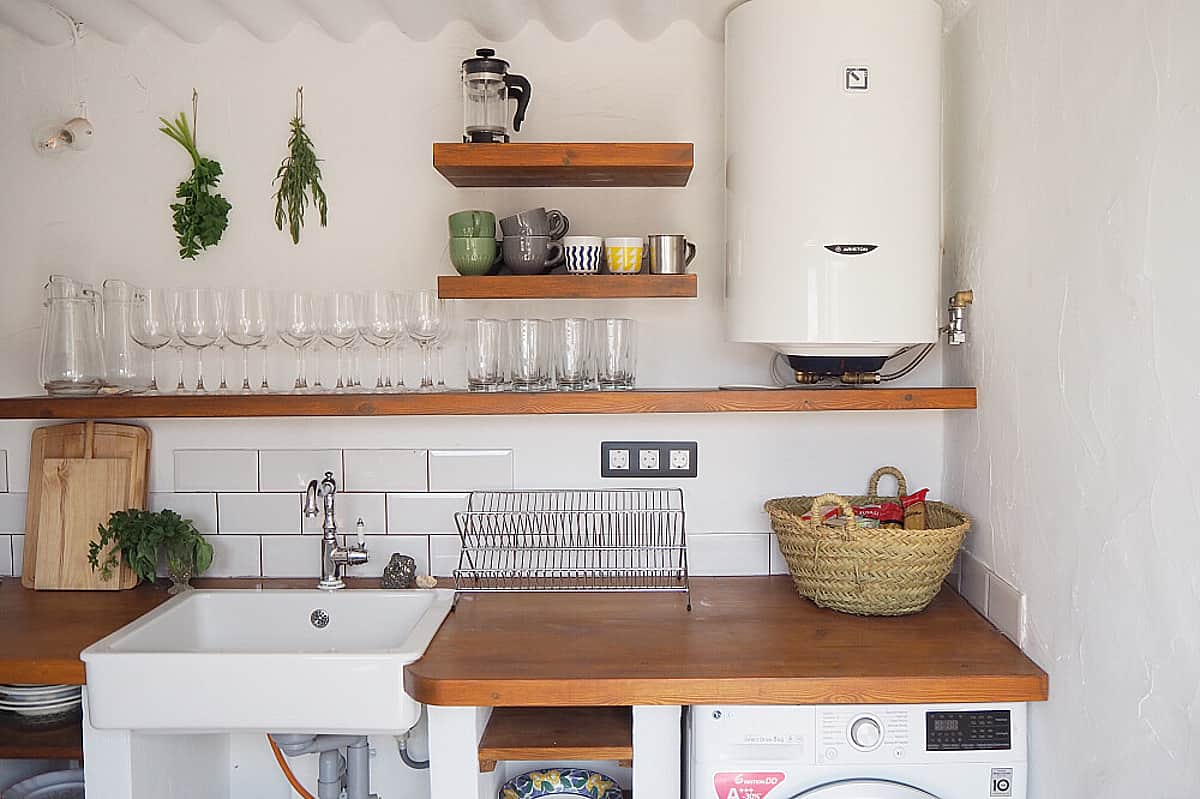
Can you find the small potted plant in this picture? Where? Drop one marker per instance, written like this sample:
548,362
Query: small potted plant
141,536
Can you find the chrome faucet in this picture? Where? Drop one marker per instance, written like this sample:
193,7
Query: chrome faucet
334,558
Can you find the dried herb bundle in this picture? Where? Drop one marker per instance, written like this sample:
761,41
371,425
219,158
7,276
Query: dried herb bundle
298,177
203,215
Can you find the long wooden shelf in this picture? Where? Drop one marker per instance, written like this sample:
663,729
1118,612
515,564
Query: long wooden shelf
565,164
461,403
555,733
565,287
51,742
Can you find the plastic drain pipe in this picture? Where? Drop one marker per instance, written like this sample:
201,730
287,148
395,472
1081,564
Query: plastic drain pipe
334,771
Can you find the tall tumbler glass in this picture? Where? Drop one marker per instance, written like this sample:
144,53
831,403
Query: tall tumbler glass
529,345
616,353
487,356
574,366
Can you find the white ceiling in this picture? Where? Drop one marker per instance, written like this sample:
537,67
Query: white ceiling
195,21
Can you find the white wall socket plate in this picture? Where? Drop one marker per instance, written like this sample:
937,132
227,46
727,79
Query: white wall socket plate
672,459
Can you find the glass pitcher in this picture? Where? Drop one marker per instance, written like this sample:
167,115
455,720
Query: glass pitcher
126,364
72,360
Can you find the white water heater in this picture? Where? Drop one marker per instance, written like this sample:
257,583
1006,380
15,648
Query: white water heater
833,177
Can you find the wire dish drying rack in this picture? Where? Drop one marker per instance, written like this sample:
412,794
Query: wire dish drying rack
593,540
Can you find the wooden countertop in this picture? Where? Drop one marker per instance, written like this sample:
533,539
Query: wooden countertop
748,640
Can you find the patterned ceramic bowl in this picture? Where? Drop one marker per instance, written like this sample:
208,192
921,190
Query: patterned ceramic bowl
561,783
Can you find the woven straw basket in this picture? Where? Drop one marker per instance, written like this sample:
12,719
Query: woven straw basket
867,571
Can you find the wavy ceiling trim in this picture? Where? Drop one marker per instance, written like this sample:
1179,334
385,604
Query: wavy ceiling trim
195,21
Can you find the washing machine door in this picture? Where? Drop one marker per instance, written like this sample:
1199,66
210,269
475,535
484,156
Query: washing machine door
864,789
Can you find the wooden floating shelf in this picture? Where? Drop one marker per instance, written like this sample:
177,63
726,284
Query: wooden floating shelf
57,742
565,287
557,733
574,164
461,403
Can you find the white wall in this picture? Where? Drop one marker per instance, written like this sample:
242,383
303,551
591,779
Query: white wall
1072,209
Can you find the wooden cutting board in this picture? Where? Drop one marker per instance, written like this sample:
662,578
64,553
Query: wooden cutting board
126,444
78,494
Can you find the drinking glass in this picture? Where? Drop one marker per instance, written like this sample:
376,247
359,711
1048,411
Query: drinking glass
263,346
378,325
487,361
339,328
296,324
573,361
445,331
152,325
247,320
400,300
423,312
198,324
616,353
529,345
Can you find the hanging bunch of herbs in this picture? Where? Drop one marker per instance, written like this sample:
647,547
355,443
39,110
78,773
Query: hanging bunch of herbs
201,215
299,178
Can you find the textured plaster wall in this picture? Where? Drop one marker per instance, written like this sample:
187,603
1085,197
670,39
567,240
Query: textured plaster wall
1072,210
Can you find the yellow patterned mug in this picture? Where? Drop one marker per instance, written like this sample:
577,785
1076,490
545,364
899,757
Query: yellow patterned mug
624,255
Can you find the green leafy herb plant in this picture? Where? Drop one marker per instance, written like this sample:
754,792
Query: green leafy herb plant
299,176
201,215
140,535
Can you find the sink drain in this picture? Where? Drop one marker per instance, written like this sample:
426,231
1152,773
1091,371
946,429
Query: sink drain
319,619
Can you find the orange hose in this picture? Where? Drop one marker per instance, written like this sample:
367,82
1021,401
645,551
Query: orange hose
287,772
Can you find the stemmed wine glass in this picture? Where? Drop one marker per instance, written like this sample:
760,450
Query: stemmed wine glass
445,331
423,312
339,328
152,325
379,325
399,302
198,324
247,320
297,327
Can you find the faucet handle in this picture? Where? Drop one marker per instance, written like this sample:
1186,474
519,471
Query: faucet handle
310,499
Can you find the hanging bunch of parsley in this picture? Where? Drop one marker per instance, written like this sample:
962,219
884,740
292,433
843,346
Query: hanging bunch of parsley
201,215
299,176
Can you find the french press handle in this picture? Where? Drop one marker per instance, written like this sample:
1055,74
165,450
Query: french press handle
519,90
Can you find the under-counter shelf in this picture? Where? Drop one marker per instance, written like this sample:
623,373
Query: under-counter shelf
462,403
49,742
557,733
566,287
568,164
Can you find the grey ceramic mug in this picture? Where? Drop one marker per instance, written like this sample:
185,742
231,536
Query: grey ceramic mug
536,222
531,255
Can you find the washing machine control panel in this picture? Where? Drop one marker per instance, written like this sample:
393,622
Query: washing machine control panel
966,730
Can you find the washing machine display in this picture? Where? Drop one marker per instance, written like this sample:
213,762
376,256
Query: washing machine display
961,731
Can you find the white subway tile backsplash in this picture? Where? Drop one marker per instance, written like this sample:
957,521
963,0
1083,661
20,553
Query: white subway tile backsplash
6,553
291,556
443,554
216,470
18,554
235,556
266,514
292,469
386,469
12,513
424,513
470,470
973,582
382,547
1006,608
348,508
728,554
200,508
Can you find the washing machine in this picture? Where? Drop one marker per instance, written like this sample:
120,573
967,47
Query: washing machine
960,751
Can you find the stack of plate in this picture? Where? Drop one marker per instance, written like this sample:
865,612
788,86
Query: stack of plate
40,701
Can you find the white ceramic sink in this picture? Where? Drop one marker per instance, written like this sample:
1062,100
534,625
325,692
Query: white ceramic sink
260,660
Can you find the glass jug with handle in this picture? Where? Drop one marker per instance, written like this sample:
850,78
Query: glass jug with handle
126,364
72,360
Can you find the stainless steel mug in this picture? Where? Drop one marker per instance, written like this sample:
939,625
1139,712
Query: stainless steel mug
670,254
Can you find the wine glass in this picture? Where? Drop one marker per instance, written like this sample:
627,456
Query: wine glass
263,347
247,320
378,325
399,300
445,331
339,327
198,324
296,324
423,312
152,325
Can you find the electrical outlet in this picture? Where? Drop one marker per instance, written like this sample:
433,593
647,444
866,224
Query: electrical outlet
670,459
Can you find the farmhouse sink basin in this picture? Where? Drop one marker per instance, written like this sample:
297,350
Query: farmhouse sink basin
272,660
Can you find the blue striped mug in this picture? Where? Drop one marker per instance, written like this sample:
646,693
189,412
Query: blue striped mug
584,254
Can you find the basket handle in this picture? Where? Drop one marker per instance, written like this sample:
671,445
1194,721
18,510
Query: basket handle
901,485
834,500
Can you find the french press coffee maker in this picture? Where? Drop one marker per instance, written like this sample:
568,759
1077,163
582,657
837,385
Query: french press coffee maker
487,88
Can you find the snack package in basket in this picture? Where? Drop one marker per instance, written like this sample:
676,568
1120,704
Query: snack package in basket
909,513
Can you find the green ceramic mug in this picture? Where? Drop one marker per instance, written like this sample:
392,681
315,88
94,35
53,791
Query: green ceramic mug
473,224
474,255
